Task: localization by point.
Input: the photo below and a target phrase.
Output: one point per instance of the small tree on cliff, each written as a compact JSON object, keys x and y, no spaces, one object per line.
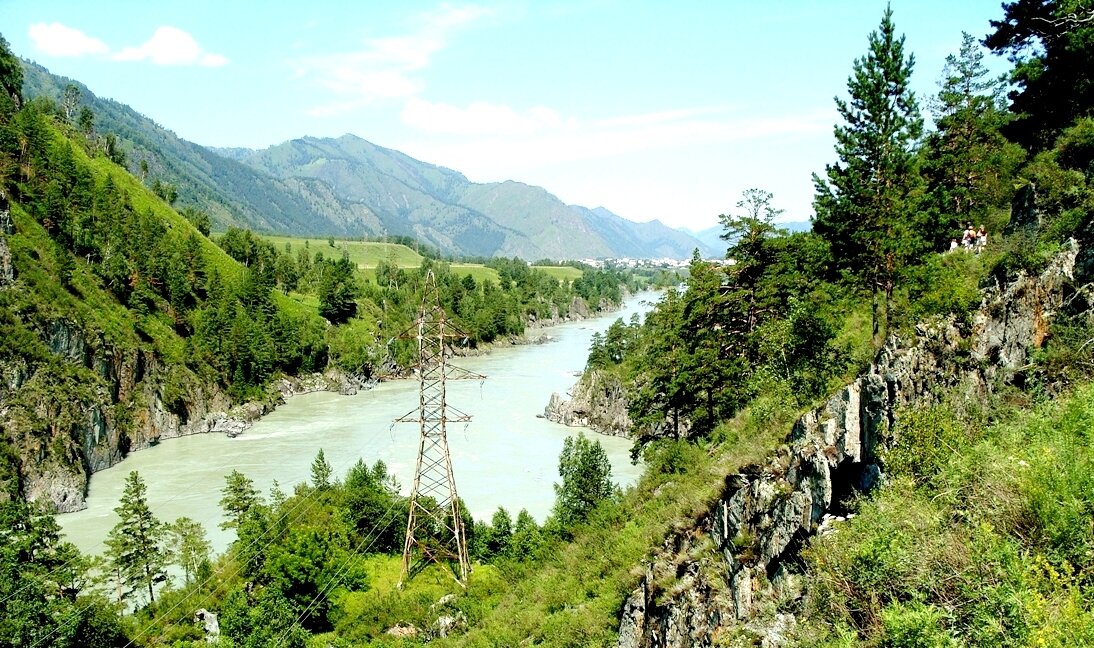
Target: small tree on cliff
{"x":135,"y":546}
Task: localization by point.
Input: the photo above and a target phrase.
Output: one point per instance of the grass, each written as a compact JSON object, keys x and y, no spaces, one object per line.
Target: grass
{"x":366,"y":255}
{"x":573,"y":596}
{"x":366,"y":616}
{"x":988,"y":544}
{"x":477,"y":271}
{"x":562,"y":273}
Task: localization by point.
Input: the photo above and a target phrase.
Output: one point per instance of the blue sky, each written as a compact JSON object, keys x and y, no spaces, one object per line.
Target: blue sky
{"x":651,"y":109}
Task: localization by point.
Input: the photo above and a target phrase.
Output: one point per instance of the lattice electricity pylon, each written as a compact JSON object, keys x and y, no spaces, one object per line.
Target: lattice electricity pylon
{"x":434,"y":527}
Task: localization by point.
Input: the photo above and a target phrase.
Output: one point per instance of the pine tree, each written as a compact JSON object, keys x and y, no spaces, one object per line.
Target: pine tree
{"x":864,"y":208}
{"x":1049,"y":42}
{"x":240,"y":497}
{"x":135,"y":545}
{"x":11,"y":78}
{"x":320,"y":471}
{"x":189,"y":545}
{"x":968,"y":164}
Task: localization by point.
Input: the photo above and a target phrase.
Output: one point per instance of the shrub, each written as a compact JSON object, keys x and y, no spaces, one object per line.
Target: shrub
{"x":914,"y":625}
{"x":925,"y":440}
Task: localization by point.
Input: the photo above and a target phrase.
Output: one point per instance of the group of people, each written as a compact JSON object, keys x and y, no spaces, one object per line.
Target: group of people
{"x":973,"y":240}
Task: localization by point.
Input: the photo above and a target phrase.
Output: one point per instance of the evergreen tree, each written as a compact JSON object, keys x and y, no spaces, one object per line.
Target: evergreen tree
{"x":320,"y":471}
{"x":338,"y":291}
{"x":501,"y":532}
{"x":748,"y":233}
{"x":11,"y":78}
{"x":240,"y":497}
{"x":968,"y":164}
{"x":662,"y":395}
{"x":136,"y":543}
{"x":86,"y":121}
{"x":1050,"y":43}
{"x":586,"y":481}
{"x":864,"y":208}
{"x":189,"y":546}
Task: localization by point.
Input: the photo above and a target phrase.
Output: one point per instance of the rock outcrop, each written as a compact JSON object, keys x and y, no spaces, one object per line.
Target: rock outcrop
{"x":7,"y":269}
{"x":692,"y":597}
{"x":86,"y":413}
{"x":598,"y":401}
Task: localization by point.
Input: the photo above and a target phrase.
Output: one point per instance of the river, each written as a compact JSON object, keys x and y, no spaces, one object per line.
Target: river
{"x":505,"y":456}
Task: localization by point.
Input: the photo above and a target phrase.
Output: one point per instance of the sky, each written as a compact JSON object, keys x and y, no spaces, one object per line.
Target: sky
{"x":664,"y":110}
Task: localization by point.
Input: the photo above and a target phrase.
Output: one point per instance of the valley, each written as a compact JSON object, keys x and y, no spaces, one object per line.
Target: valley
{"x":850,"y":430}
{"x":505,"y":457}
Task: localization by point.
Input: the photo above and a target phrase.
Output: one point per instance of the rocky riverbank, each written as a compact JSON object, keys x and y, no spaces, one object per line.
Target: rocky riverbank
{"x":69,"y":419}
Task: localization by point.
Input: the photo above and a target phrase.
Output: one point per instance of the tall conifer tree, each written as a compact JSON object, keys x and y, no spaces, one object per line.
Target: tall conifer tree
{"x":968,"y":164}
{"x":864,"y":207}
{"x":136,"y":543}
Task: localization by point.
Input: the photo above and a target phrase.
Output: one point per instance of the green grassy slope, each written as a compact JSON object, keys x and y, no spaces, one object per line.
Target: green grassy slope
{"x":366,"y":255}
{"x":982,"y":538}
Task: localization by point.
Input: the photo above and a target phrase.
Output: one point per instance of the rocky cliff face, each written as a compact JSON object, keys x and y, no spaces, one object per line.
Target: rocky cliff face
{"x":90,"y":407}
{"x":598,"y":401}
{"x":717,"y":579}
{"x":578,"y":310}
{"x":7,"y":270}
{"x":92,"y":404}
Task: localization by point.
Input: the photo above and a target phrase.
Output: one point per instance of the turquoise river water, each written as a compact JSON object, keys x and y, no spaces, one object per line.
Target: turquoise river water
{"x":505,"y":456}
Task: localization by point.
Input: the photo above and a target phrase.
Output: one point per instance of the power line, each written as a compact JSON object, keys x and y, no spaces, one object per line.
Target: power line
{"x":335,"y":580}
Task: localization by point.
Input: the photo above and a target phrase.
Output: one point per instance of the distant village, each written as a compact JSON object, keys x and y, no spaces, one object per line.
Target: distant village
{"x":665,"y":263}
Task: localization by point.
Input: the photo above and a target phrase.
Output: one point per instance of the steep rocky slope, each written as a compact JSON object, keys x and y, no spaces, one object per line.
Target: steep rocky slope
{"x":710,"y":580}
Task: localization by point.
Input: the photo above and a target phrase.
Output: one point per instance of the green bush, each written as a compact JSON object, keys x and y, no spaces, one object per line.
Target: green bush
{"x":914,"y":625}
{"x":946,"y":284}
{"x":925,"y":440}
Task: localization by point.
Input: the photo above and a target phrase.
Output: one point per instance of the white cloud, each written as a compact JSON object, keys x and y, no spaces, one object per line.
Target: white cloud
{"x":167,"y":46}
{"x":171,"y":46}
{"x":55,"y":39}
{"x":385,"y":68}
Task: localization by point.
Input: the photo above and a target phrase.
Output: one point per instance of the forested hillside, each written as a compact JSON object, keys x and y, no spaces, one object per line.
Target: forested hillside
{"x":876,"y":432}
{"x":232,"y":194}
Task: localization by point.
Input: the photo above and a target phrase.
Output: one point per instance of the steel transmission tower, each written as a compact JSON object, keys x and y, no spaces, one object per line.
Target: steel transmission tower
{"x":434,"y":527}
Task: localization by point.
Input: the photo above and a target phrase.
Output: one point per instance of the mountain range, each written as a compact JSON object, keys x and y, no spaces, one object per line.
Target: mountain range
{"x":350,"y":187}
